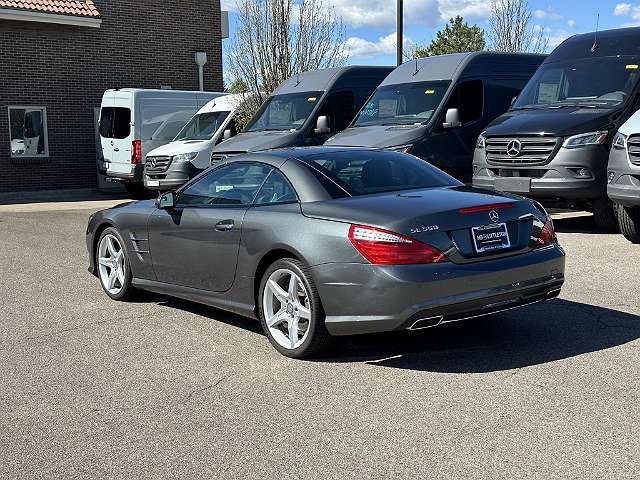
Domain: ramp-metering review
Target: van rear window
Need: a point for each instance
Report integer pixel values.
(115, 122)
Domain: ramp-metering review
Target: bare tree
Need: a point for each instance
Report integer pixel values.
(511, 28)
(276, 39)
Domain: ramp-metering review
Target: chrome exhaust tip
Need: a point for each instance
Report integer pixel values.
(423, 323)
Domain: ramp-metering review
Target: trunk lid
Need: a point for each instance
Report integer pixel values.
(441, 217)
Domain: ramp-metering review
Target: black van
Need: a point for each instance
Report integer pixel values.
(554, 142)
(435, 107)
(305, 110)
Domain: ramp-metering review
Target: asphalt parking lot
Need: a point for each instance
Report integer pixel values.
(90, 388)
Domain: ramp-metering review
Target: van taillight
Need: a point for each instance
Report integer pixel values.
(136, 152)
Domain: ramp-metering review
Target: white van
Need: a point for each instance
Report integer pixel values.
(135, 121)
(169, 166)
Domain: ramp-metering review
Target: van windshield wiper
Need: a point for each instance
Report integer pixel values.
(270, 130)
(572, 105)
(529, 107)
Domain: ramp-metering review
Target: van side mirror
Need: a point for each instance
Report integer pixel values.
(322, 125)
(166, 200)
(452, 119)
(226, 135)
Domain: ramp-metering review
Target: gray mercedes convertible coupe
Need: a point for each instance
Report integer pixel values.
(320, 242)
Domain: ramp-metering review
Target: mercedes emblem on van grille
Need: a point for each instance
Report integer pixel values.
(152, 162)
(493, 216)
(514, 147)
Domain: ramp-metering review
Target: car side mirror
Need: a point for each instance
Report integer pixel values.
(166, 200)
(226, 135)
(322, 125)
(452, 119)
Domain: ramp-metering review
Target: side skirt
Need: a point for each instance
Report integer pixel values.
(213, 299)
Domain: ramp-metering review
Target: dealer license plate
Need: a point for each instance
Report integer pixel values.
(490, 237)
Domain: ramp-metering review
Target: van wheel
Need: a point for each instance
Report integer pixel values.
(629, 221)
(137, 191)
(604, 214)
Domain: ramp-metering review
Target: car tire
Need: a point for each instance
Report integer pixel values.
(604, 215)
(114, 257)
(300, 311)
(629, 222)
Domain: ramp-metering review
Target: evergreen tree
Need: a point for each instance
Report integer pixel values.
(457, 37)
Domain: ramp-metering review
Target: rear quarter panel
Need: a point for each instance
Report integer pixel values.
(283, 227)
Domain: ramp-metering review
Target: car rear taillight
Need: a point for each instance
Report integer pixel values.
(547, 235)
(382, 247)
(486, 208)
(136, 152)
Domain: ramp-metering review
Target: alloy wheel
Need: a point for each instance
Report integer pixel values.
(111, 264)
(286, 308)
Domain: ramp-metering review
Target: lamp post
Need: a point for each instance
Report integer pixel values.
(399, 32)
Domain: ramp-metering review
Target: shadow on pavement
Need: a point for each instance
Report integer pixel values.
(72, 195)
(216, 314)
(532, 335)
(523, 337)
(583, 224)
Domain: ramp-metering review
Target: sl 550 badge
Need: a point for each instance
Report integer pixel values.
(426, 228)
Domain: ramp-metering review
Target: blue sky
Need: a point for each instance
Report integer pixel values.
(370, 24)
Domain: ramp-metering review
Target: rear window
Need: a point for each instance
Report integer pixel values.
(115, 122)
(367, 172)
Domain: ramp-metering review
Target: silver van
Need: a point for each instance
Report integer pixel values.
(554, 142)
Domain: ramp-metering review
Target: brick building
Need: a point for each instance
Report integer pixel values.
(57, 57)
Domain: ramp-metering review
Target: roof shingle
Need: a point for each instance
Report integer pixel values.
(78, 8)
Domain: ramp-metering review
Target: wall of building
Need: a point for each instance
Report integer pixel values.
(141, 43)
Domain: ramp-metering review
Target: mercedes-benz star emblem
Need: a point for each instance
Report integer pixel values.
(152, 163)
(514, 147)
(493, 216)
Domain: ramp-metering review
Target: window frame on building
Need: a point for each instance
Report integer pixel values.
(45, 130)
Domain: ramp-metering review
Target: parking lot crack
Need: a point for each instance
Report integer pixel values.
(204, 389)
(85, 326)
(68, 330)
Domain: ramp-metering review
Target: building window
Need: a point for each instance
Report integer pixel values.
(28, 132)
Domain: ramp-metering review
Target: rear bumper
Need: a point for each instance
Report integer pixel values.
(624, 179)
(556, 179)
(135, 174)
(363, 298)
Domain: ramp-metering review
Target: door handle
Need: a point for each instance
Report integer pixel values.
(225, 225)
(116, 149)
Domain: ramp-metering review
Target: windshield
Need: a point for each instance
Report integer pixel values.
(367, 172)
(284, 112)
(403, 104)
(202, 126)
(594, 82)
